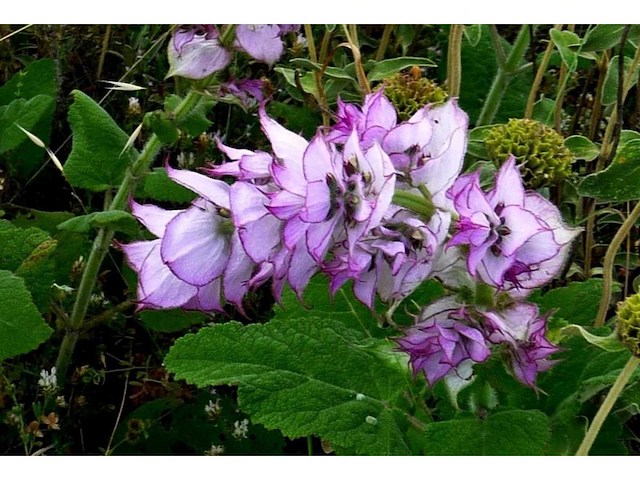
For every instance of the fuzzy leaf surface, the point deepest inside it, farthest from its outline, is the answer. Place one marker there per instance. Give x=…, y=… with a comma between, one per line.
x=620, y=181
x=512, y=432
x=305, y=376
x=22, y=328
x=317, y=301
x=97, y=161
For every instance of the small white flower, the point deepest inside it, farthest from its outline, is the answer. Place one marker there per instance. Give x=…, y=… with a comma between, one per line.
x=215, y=450
x=48, y=381
x=61, y=402
x=240, y=428
x=212, y=409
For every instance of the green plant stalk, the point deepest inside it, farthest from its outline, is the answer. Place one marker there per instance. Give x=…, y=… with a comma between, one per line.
x=537, y=81
x=103, y=240
x=351, y=33
x=384, y=42
x=606, y=152
x=607, y=405
x=416, y=203
x=607, y=264
x=317, y=75
x=454, y=60
x=503, y=77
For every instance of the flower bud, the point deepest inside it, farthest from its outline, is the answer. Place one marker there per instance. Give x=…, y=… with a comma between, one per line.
x=409, y=92
x=540, y=152
x=629, y=323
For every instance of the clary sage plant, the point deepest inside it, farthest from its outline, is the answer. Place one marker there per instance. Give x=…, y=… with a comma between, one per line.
x=414, y=255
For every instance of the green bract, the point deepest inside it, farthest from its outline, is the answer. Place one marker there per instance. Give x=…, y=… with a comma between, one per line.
x=629, y=324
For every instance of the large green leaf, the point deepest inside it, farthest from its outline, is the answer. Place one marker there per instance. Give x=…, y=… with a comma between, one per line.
x=37, y=78
x=97, y=161
x=576, y=303
x=39, y=273
x=22, y=328
x=25, y=113
x=512, y=432
x=305, y=376
x=317, y=301
x=606, y=36
x=16, y=244
x=620, y=181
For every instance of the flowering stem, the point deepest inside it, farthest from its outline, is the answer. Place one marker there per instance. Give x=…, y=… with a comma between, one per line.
x=416, y=203
x=503, y=77
x=607, y=264
x=103, y=240
x=607, y=405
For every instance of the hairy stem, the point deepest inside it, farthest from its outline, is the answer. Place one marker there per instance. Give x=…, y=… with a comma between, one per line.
x=454, y=60
x=103, y=239
x=607, y=405
x=384, y=42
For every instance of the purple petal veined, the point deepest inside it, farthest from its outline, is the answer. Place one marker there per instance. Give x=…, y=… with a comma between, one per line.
x=195, y=247
x=158, y=287
x=154, y=218
x=216, y=191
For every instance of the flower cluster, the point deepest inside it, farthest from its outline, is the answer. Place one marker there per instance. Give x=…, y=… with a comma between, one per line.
x=196, y=52
x=449, y=338
x=376, y=202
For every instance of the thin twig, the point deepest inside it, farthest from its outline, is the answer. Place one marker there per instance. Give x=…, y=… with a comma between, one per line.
x=124, y=398
x=537, y=81
x=607, y=405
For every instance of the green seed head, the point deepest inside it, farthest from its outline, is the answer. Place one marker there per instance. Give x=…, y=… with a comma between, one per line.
x=409, y=92
x=629, y=323
x=539, y=150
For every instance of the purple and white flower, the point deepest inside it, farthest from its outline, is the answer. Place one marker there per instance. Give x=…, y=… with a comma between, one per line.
x=515, y=239
x=443, y=343
x=522, y=329
x=263, y=42
x=195, y=52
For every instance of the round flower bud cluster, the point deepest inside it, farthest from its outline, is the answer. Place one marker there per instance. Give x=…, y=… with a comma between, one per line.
x=629, y=323
x=409, y=92
x=539, y=150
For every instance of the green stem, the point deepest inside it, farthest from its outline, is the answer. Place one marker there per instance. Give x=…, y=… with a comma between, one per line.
x=351, y=33
x=384, y=42
x=454, y=60
x=503, y=77
x=416, y=203
x=607, y=264
x=537, y=81
x=103, y=240
x=607, y=405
